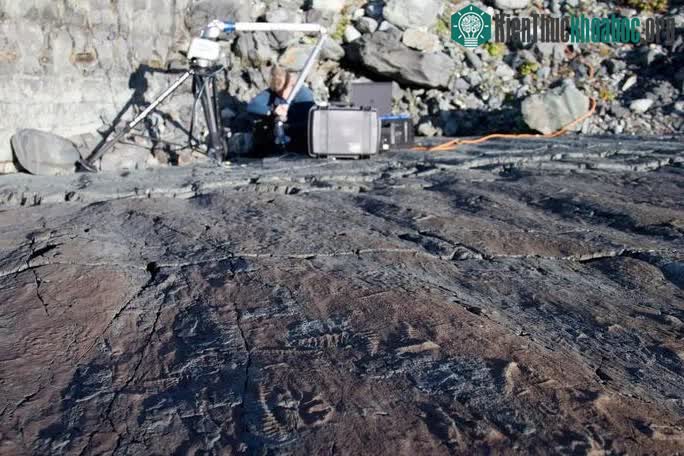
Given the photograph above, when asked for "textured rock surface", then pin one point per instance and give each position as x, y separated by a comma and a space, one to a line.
509, 296
421, 40
384, 55
412, 13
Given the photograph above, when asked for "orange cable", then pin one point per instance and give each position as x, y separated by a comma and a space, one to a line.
453, 144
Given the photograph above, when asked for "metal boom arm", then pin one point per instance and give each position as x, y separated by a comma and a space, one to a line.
216, 27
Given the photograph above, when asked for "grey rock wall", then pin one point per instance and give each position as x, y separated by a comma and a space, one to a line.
65, 65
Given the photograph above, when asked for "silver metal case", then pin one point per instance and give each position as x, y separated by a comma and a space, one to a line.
343, 132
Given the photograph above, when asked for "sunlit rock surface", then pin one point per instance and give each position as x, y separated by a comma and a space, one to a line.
510, 297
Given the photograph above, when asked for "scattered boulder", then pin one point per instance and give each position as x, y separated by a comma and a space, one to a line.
374, 8
332, 50
255, 48
473, 59
186, 158
618, 110
367, 25
555, 109
295, 57
421, 40
648, 56
460, 85
629, 83
127, 157
358, 14
351, 34
641, 105
614, 66
389, 58
391, 30
679, 107
427, 129
201, 12
555, 52
505, 72
412, 13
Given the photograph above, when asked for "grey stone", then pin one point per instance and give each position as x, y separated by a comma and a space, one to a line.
460, 84
629, 83
421, 40
327, 19
679, 107
473, 59
351, 34
332, 50
412, 13
127, 157
641, 105
390, 58
474, 78
367, 25
200, 12
328, 5
389, 28
256, 48
511, 4
649, 56
44, 154
555, 109
665, 92
279, 15
614, 66
504, 72
295, 57
374, 8
427, 129
618, 110
543, 72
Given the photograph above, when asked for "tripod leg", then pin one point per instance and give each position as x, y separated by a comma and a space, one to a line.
217, 147
88, 164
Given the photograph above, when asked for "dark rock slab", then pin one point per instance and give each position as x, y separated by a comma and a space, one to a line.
486, 300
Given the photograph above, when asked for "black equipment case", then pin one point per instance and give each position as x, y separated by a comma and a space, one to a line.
396, 132
344, 132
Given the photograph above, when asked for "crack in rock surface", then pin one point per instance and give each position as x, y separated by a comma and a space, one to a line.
503, 297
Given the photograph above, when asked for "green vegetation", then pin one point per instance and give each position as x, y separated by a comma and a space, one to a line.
495, 49
656, 6
442, 27
345, 18
338, 34
528, 68
606, 94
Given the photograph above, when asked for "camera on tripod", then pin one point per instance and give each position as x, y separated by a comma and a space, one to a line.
204, 64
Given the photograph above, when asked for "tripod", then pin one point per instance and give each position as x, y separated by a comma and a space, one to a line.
204, 77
